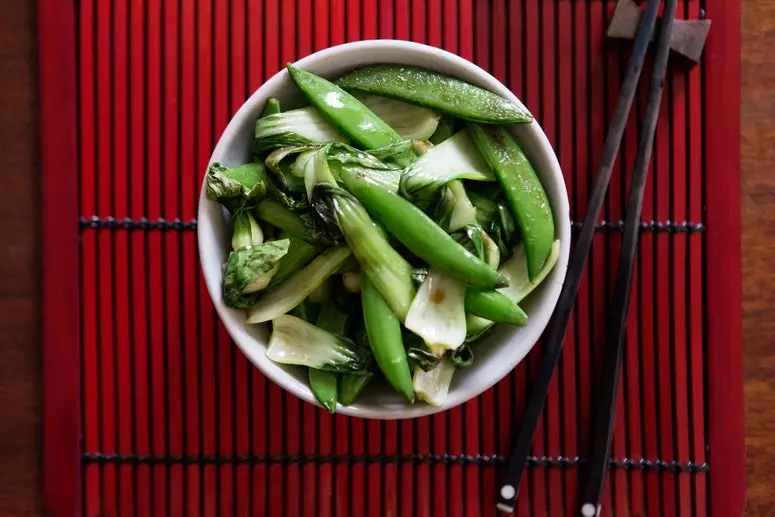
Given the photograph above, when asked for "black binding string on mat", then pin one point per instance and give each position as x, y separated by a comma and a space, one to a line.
430, 459
110, 223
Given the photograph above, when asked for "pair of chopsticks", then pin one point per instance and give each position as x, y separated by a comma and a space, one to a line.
604, 421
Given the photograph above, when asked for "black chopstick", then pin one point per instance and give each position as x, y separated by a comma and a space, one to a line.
507, 495
606, 413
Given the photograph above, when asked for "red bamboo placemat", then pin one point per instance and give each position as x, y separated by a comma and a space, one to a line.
151, 410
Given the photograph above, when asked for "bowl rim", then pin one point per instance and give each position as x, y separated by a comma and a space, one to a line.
276, 372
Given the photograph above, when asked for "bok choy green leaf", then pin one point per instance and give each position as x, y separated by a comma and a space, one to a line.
235, 186
249, 270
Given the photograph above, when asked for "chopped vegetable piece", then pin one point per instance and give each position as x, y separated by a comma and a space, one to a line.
279, 216
352, 281
433, 386
389, 271
384, 331
234, 186
476, 327
300, 253
523, 190
332, 319
454, 159
401, 155
492, 254
463, 356
249, 270
437, 313
284, 296
436, 91
305, 126
324, 386
444, 130
516, 270
283, 169
272, 107
495, 307
363, 165
454, 210
419, 233
347, 113
247, 232
294, 341
410, 121
316, 171
351, 385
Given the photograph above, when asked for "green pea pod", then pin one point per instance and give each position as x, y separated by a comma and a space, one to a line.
384, 331
351, 385
494, 306
436, 91
324, 385
523, 190
419, 233
346, 112
271, 107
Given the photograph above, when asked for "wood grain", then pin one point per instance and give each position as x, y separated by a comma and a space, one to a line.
20, 379
758, 191
20, 366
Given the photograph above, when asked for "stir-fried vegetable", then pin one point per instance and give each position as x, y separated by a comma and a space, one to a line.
433, 386
437, 313
294, 341
436, 91
420, 234
288, 294
354, 119
384, 332
247, 232
410, 121
453, 159
249, 270
235, 186
389, 272
523, 191
370, 230
305, 126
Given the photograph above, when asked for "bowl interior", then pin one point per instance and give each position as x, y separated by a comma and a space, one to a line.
496, 355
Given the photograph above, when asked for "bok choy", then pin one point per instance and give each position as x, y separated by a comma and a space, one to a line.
304, 126
294, 341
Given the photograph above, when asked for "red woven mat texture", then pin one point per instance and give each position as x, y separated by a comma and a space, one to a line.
176, 421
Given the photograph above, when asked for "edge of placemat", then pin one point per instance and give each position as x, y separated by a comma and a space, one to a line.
59, 196
723, 263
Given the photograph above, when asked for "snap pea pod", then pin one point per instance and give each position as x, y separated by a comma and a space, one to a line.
271, 107
419, 233
324, 385
435, 91
351, 385
523, 190
346, 112
384, 331
494, 306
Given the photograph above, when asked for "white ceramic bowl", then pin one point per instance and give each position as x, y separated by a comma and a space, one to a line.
495, 356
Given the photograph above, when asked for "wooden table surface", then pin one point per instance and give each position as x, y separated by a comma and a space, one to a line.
20, 357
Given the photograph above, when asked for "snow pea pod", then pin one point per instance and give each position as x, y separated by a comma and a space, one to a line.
346, 112
436, 91
418, 232
523, 190
384, 331
324, 385
494, 306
